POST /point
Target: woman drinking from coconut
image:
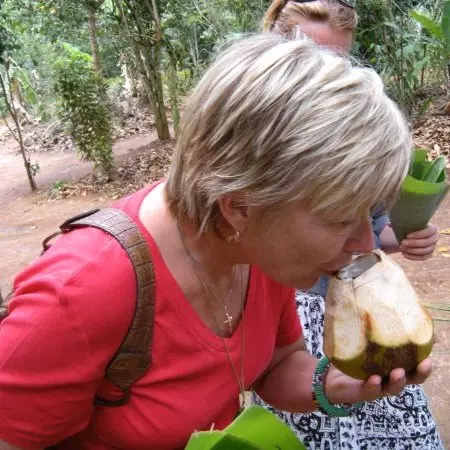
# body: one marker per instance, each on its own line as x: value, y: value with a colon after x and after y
x: 259, y: 200
x: 397, y: 422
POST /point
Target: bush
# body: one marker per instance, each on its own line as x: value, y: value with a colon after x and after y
x: 84, y: 107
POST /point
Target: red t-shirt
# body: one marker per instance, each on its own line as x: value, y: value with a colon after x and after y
x: 69, y: 315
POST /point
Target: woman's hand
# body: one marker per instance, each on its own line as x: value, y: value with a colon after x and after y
x: 420, y: 245
x: 340, y: 388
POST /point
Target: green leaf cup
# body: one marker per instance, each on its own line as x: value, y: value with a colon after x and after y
x: 420, y: 196
x: 255, y: 429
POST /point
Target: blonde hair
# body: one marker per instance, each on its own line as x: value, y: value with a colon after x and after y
x: 282, y: 120
x: 283, y: 16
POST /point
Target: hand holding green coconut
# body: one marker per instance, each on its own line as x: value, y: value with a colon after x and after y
x: 375, y: 330
x: 341, y: 388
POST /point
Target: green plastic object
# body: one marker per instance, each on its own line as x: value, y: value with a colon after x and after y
x: 420, y: 196
x: 255, y: 429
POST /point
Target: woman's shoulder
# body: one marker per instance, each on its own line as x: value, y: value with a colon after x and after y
x: 85, y: 262
x: 85, y: 272
x: 69, y: 313
x: 88, y: 274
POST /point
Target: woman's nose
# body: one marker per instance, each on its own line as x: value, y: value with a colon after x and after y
x: 362, y: 240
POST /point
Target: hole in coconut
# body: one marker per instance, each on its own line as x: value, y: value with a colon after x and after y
x: 358, y: 266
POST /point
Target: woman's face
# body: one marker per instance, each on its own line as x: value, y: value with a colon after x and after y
x: 302, y: 247
x: 295, y: 247
x: 322, y: 33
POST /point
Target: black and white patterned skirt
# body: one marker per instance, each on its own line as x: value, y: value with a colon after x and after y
x: 402, y: 422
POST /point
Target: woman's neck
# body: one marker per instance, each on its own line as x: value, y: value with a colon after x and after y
x: 206, y: 269
x: 178, y: 240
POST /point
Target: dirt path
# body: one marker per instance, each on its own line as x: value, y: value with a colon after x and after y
x: 26, y: 219
x: 53, y: 166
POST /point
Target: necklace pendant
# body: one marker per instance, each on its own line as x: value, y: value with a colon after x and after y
x: 229, y: 321
x: 228, y: 318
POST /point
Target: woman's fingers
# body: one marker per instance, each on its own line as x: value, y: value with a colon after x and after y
x: 419, y: 253
x: 429, y: 232
x: 423, y: 371
x: 341, y: 388
x: 420, y: 245
x: 396, y: 383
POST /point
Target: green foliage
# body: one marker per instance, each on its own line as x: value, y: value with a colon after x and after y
x: 195, y: 29
x: 391, y: 42
x: 439, y: 31
x: 35, y: 168
x: 8, y: 41
x: 115, y: 86
x: 445, y: 25
x: 429, y: 24
x: 58, y: 187
x: 84, y: 107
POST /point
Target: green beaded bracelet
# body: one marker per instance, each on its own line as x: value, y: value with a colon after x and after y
x: 319, y: 397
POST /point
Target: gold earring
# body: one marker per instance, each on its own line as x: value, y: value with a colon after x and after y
x: 234, y: 238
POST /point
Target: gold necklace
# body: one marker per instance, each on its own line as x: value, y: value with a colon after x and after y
x: 240, y: 380
x: 228, y: 317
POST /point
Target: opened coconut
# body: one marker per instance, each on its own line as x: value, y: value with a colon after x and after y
x: 374, y: 321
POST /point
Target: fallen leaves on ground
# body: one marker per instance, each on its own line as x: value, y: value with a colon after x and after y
x: 433, y: 132
x: 130, y: 118
x: 134, y: 173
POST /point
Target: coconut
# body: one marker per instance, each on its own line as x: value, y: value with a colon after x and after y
x: 374, y: 321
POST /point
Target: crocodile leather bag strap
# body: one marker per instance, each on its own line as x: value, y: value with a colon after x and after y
x: 133, y: 358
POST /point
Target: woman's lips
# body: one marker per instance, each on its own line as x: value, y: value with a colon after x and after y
x: 331, y: 272
x: 338, y: 265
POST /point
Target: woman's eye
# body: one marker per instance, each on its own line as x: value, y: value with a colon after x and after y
x: 344, y: 223
x: 341, y: 224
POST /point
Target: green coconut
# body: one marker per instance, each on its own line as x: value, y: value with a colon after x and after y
x: 375, y: 322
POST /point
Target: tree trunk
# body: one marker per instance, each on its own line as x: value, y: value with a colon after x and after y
x: 153, y: 81
x: 173, y: 91
x: 19, y: 137
x: 163, y: 125
x: 422, y: 71
x: 147, y: 55
x: 92, y: 23
x: 130, y: 76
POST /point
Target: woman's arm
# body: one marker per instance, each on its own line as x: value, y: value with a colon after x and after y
x: 283, y: 385
x: 287, y: 384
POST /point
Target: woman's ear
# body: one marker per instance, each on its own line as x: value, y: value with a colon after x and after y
x: 235, y: 212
